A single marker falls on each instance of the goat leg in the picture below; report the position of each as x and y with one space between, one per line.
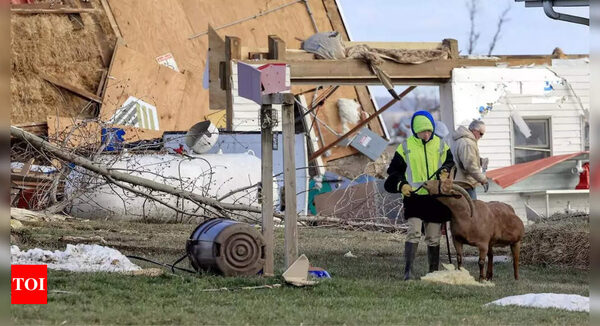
483 250
490 267
515 248
459 252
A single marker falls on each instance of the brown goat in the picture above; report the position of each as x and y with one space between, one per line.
480 224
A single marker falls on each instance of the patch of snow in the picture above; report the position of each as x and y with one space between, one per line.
571 302
75 258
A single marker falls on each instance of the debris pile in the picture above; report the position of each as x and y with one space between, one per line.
87 80
563 242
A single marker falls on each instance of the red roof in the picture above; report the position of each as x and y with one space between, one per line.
507 176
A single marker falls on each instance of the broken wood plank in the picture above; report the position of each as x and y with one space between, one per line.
111 18
361 124
81 92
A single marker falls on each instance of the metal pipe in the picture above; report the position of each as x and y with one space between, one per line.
549 10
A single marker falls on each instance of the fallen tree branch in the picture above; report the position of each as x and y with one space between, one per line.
151 197
43 145
338 222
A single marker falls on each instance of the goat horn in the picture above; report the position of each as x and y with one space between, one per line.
465 194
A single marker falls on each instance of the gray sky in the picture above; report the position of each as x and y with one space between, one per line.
528 31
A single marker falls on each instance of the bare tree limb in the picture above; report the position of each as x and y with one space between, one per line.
238 190
338 221
473 35
501 20
151 197
43 145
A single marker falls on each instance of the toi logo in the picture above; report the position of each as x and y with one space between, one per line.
29 284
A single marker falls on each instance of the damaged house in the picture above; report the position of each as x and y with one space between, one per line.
156 91
537 131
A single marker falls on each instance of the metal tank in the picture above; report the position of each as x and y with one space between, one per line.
210 175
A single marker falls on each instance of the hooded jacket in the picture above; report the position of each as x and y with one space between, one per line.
425 158
466 157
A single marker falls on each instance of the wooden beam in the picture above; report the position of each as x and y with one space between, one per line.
81 92
266 151
233 49
361 124
353 71
289 170
104 46
398 45
100 88
364 97
111 18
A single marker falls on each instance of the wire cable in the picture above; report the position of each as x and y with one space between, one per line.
173 267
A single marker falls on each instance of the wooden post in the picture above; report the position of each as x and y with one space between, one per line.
276 48
289 169
452 44
266 151
233 50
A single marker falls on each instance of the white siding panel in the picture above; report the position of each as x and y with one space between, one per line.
491 143
570 134
525 90
576 126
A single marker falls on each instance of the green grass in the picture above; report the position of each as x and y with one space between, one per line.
363 290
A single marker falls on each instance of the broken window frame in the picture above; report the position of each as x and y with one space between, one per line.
543 148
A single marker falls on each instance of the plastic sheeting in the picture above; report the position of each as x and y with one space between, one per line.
327 45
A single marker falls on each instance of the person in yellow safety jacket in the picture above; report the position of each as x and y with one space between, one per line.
420 157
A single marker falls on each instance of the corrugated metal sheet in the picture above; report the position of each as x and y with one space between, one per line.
510 175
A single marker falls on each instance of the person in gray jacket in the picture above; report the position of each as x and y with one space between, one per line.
466 156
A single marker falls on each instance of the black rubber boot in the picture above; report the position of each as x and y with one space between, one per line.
433 257
410 251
